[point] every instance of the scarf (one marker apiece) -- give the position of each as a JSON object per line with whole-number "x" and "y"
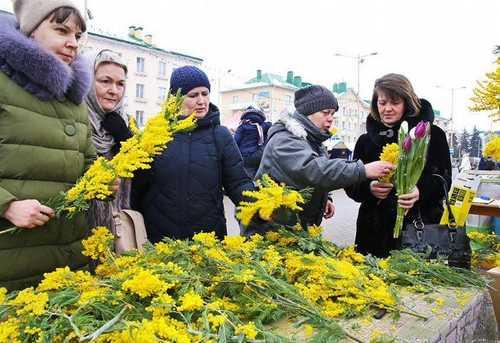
{"x": 103, "y": 141}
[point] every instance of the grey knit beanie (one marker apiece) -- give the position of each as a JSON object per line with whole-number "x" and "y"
{"x": 30, "y": 13}
{"x": 315, "y": 98}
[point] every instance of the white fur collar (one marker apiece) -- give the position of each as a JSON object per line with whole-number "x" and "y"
{"x": 293, "y": 125}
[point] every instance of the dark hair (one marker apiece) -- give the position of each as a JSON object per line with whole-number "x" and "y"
{"x": 396, "y": 86}
{"x": 61, "y": 15}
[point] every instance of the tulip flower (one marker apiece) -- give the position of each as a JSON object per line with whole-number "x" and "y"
{"x": 421, "y": 130}
{"x": 407, "y": 144}
{"x": 404, "y": 127}
{"x": 413, "y": 151}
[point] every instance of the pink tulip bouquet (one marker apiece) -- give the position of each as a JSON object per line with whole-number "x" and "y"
{"x": 412, "y": 156}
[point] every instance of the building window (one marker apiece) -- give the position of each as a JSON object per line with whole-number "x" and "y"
{"x": 140, "y": 64}
{"x": 236, "y": 99}
{"x": 139, "y": 91}
{"x": 343, "y": 125}
{"x": 139, "y": 118}
{"x": 264, "y": 94}
{"x": 162, "y": 69}
{"x": 162, "y": 94}
{"x": 288, "y": 99}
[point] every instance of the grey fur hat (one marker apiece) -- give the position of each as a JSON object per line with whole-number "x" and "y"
{"x": 30, "y": 13}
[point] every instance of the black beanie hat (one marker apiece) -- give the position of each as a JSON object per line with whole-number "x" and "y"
{"x": 315, "y": 98}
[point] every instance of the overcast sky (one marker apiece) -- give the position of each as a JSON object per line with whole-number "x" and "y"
{"x": 432, "y": 42}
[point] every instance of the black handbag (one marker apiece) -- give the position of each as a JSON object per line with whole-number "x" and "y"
{"x": 447, "y": 242}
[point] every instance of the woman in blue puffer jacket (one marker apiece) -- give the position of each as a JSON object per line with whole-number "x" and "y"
{"x": 250, "y": 137}
{"x": 182, "y": 193}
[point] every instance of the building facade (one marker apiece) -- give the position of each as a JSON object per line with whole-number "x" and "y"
{"x": 149, "y": 68}
{"x": 272, "y": 93}
{"x": 350, "y": 119}
{"x": 275, "y": 94}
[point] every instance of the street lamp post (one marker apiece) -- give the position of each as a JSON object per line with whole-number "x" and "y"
{"x": 452, "y": 111}
{"x": 359, "y": 59}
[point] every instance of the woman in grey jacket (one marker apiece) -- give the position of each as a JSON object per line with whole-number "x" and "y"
{"x": 294, "y": 154}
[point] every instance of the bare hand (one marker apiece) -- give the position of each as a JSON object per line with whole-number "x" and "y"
{"x": 378, "y": 169}
{"x": 380, "y": 190}
{"x": 28, "y": 214}
{"x": 408, "y": 200}
{"x": 329, "y": 209}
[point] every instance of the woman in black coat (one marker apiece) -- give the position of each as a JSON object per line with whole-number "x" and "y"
{"x": 394, "y": 101}
{"x": 182, "y": 194}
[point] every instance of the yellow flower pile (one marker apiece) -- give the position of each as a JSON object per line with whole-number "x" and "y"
{"x": 487, "y": 255}
{"x": 97, "y": 244}
{"x": 135, "y": 153}
{"x": 390, "y": 153}
{"x": 191, "y": 301}
{"x": 268, "y": 198}
{"x": 492, "y": 149}
{"x": 207, "y": 290}
{"x": 334, "y": 131}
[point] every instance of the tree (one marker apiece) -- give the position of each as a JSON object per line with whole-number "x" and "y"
{"x": 475, "y": 143}
{"x": 464, "y": 142}
{"x": 487, "y": 93}
{"x": 455, "y": 145}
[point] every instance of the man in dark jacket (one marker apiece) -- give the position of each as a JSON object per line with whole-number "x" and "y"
{"x": 250, "y": 137}
{"x": 295, "y": 155}
{"x": 182, "y": 194}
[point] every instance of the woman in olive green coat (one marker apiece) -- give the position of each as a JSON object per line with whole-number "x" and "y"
{"x": 45, "y": 141}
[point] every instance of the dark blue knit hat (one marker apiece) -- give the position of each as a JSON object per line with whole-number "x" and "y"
{"x": 187, "y": 78}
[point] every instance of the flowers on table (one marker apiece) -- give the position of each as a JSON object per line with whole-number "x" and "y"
{"x": 487, "y": 255}
{"x": 412, "y": 156}
{"x": 208, "y": 290}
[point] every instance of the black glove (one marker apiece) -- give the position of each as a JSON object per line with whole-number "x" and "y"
{"x": 116, "y": 127}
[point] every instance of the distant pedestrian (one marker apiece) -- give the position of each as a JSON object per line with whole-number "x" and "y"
{"x": 465, "y": 164}
{"x": 250, "y": 136}
{"x": 486, "y": 163}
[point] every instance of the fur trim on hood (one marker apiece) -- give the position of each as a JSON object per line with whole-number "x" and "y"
{"x": 293, "y": 125}
{"x": 299, "y": 126}
{"x": 37, "y": 71}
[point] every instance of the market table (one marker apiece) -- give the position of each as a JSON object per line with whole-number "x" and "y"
{"x": 485, "y": 209}
{"x": 452, "y": 317}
